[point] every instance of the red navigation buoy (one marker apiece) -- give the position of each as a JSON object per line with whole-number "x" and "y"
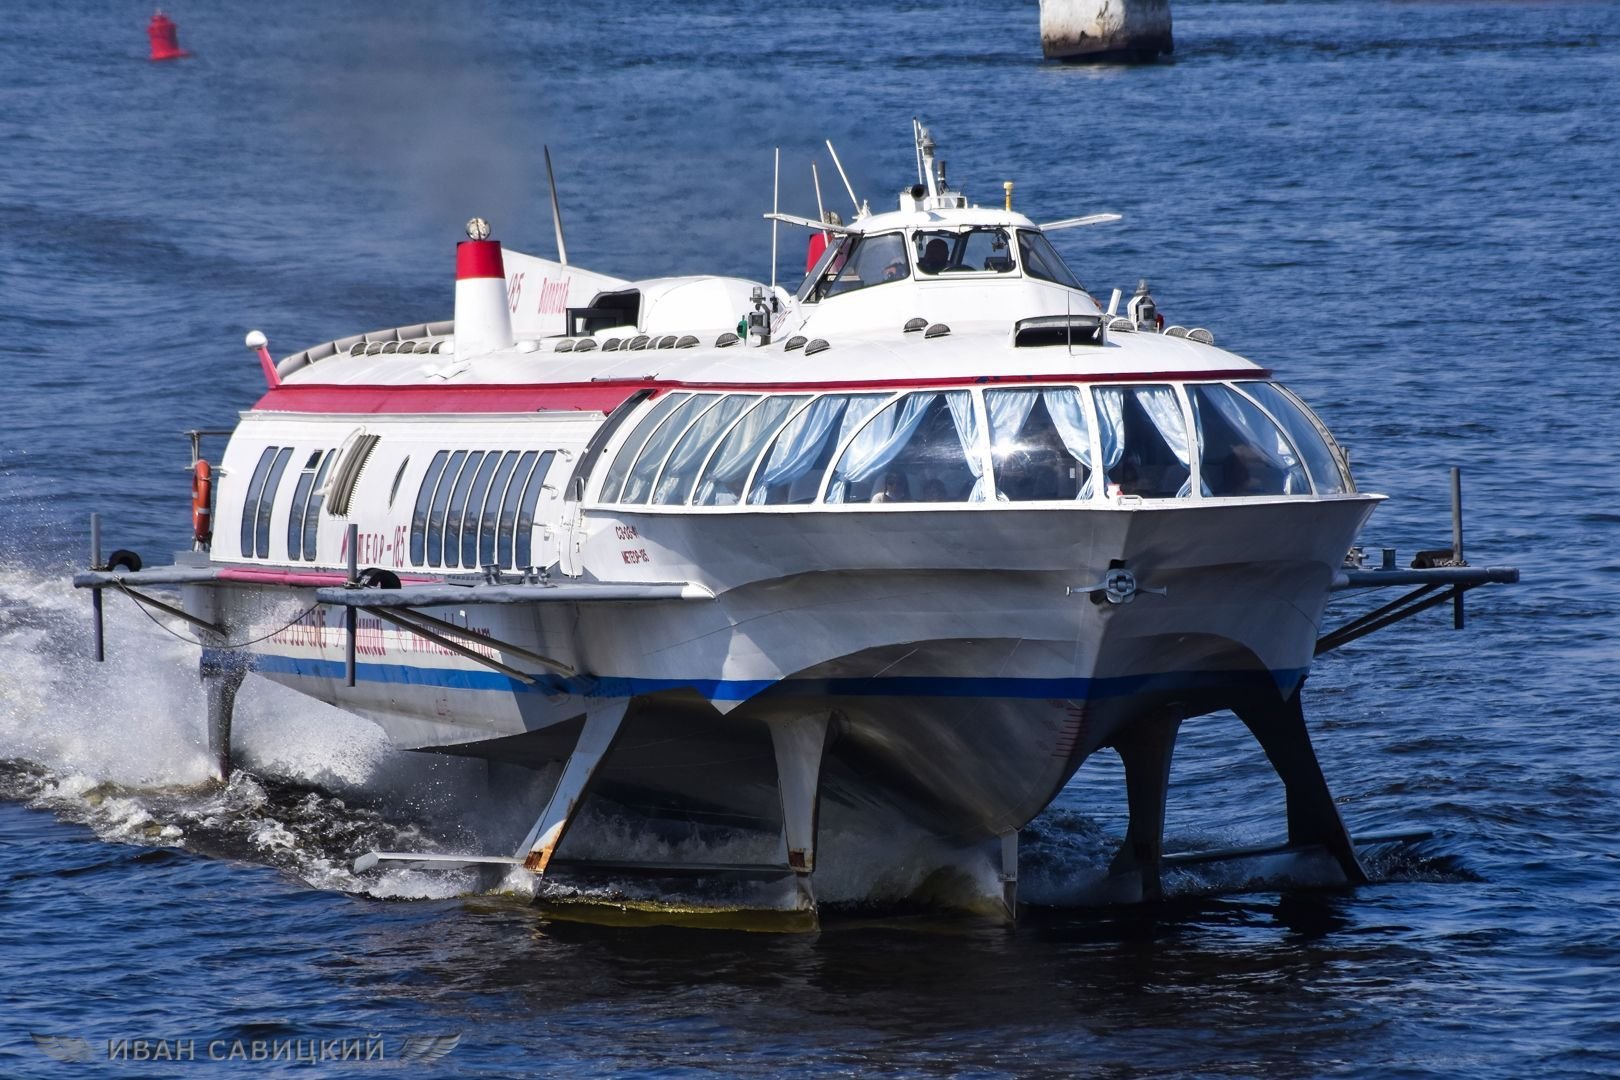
{"x": 165, "y": 38}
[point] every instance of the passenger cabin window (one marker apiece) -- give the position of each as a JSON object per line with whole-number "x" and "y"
{"x": 630, "y": 449}
{"x": 680, "y": 469}
{"x": 476, "y": 509}
{"x": 728, "y": 468}
{"x": 300, "y": 504}
{"x": 1322, "y": 455}
{"x": 639, "y": 484}
{"x": 317, "y": 495}
{"x": 255, "y": 495}
{"x": 1242, "y": 451}
{"x": 1040, "y": 444}
{"x": 791, "y": 472}
{"x": 923, "y": 447}
{"x": 857, "y": 262}
{"x": 1144, "y": 443}
{"x": 981, "y": 250}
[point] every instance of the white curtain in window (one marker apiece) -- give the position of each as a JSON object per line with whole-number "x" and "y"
{"x": 1070, "y": 420}
{"x": 1111, "y": 426}
{"x": 740, "y": 448}
{"x": 798, "y": 446}
{"x": 1008, "y": 410}
{"x": 879, "y": 443}
{"x": 967, "y": 433}
{"x": 1164, "y": 409}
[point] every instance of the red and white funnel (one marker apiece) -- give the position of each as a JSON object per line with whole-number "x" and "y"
{"x": 483, "y": 316}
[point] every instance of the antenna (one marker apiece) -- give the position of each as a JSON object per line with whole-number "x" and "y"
{"x": 556, "y": 211}
{"x": 845, "y": 177}
{"x": 821, "y": 210}
{"x": 917, "y": 134}
{"x": 776, "y": 208}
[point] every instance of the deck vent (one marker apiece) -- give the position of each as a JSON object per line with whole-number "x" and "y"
{"x": 638, "y": 342}
{"x": 939, "y": 329}
{"x": 818, "y": 345}
{"x": 795, "y": 342}
{"x": 726, "y": 340}
{"x": 373, "y": 348}
{"x": 565, "y": 345}
{"x": 390, "y": 347}
{"x": 1058, "y": 330}
{"x": 1175, "y": 331}
{"x": 667, "y": 341}
{"x": 612, "y": 344}
{"x": 585, "y": 345}
{"x": 687, "y": 341}
{"x": 1202, "y": 336}
{"x": 1122, "y": 326}
{"x": 914, "y": 325}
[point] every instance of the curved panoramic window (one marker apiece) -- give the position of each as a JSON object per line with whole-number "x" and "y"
{"x": 857, "y": 262}
{"x": 957, "y": 251}
{"x": 1144, "y": 442}
{"x": 261, "y": 533}
{"x": 680, "y": 473}
{"x": 441, "y": 502}
{"x": 924, "y": 447}
{"x": 424, "y": 499}
{"x": 1041, "y": 260}
{"x": 473, "y": 507}
{"x": 509, "y": 506}
{"x": 727, "y": 470}
{"x": 638, "y": 485}
{"x": 1241, "y": 450}
{"x": 531, "y": 497}
{"x": 490, "y": 518}
{"x": 1322, "y": 455}
{"x": 295, "y": 513}
{"x": 792, "y": 471}
{"x": 1040, "y": 444}
{"x": 613, "y": 484}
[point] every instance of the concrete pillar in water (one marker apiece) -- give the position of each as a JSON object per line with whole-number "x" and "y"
{"x": 1105, "y": 29}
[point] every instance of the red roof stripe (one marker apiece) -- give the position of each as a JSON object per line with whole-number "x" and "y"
{"x": 605, "y": 396}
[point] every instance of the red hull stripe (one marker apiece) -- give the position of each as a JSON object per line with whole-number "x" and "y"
{"x": 479, "y": 259}
{"x": 605, "y": 396}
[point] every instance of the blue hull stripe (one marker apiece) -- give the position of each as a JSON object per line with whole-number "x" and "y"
{"x": 743, "y": 689}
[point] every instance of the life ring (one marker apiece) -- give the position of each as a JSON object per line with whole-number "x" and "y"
{"x": 202, "y": 492}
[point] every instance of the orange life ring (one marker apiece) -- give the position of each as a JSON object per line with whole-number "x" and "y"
{"x": 202, "y": 491}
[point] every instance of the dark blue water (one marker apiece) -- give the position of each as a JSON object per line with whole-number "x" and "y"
{"x": 1409, "y": 209}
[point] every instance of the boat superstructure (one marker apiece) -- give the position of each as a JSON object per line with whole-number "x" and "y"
{"x": 912, "y": 541}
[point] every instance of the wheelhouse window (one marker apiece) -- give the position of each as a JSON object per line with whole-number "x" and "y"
{"x": 1143, "y": 437}
{"x": 1040, "y": 444}
{"x": 923, "y": 447}
{"x": 1242, "y": 451}
{"x": 1042, "y": 261}
{"x": 1322, "y": 455}
{"x": 856, "y": 262}
{"x": 956, "y": 251}
{"x": 792, "y": 471}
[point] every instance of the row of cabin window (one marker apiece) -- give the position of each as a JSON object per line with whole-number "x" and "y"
{"x": 308, "y": 495}
{"x": 1044, "y": 443}
{"x": 476, "y": 508}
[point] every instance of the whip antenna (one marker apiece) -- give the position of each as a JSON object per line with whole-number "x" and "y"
{"x": 776, "y": 208}
{"x": 845, "y": 177}
{"x": 556, "y": 210}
